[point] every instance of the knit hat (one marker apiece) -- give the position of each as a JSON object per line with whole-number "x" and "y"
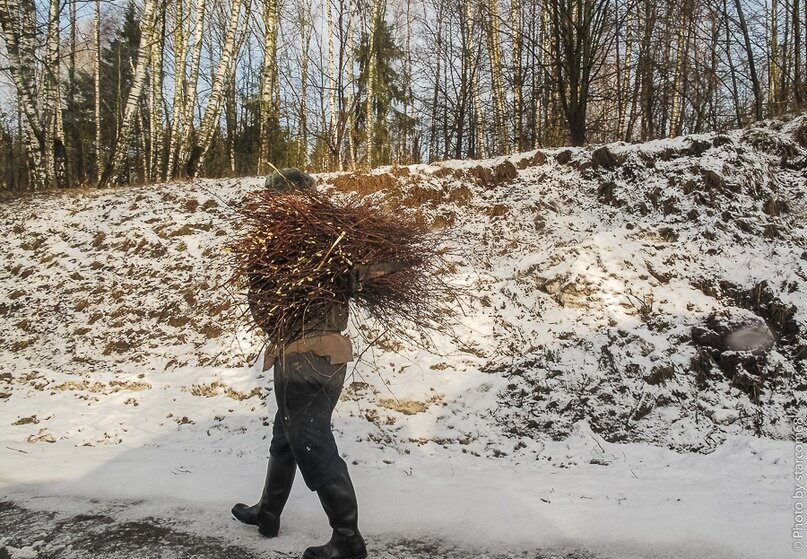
{"x": 289, "y": 180}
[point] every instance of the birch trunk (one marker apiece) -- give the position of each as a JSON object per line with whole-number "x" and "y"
{"x": 497, "y": 82}
{"x": 773, "y": 60}
{"x": 141, "y": 135}
{"x": 682, "y": 41}
{"x": 186, "y": 143}
{"x": 550, "y": 92}
{"x": 268, "y": 106}
{"x": 55, "y": 164}
{"x": 405, "y": 156}
{"x": 76, "y": 142}
{"x": 533, "y": 39}
{"x": 439, "y": 59}
{"x": 119, "y": 154}
{"x": 99, "y": 155}
{"x": 345, "y": 89}
{"x": 19, "y": 33}
{"x": 333, "y": 141}
{"x": 786, "y": 60}
{"x": 518, "y": 120}
{"x": 181, "y": 36}
{"x": 797, "y": 30}
{"x": 210, "y": 119}
{"x": 371, "y": 69}
{"x": 156, "y": 134}
{"x": 351, "y": 140}
{"x": 231, "y": 117}
{"x": 544, "y": 95}
{"x": 643, "y": 99}
{"x": 626, "y": 70}
{"x": 480, "y": 140}
{"x": 305, "y": 35}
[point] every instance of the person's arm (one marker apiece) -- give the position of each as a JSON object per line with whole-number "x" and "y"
{"x": 372, "y": 271}
{"x": 364, "y": 272}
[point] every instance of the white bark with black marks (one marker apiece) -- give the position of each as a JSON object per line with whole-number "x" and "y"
{"x": 132, "y": 109}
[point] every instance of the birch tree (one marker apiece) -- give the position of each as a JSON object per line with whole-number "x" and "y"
{"x": 473, "y": 52}
{"x": 432, "y": 153}
{"x": 181, "y": 35}
{"x": 155, "y": 147}
{"x": 515, "y": 57}
{"x": 212, "y": 113}
{"x": 305, "y": 22}
{"x": 343, "y": 93}
{"x": 114, "y": 169}
{"x": 625, "y": 71}
{"x": 185, "y": 138}
{"x": 682, "y": 52}
{"x": 797, "y": 67}
{"x": 773, "y": 58}
{"x": 332, "y": 80}
{"x": 18, "y": 22}
{"x": 268, "y": 104}
{"x": 54, "y": 160}
{"x": 371, "y": 71}
{"x": 99, "y": 155}
{"x": 493, "y": 35}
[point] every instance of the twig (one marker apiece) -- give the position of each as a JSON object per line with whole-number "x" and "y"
{"x": 330, "y": 250}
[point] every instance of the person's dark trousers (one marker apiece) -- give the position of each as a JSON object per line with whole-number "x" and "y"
{"x": 307, "y": 388}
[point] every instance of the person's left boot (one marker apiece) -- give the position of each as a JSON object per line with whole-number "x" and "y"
{"x": 266, "y": 513}
{"x": 339, "y": 501}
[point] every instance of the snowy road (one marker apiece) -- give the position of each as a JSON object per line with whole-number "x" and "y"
{"x": 618, "y": 501}
{"x": 98, "y": 534}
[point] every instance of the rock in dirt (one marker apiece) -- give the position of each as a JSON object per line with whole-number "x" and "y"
{"x": 734, "y": 329}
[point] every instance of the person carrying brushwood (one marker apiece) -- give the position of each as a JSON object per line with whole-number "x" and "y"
{"x": 309, "y": 354}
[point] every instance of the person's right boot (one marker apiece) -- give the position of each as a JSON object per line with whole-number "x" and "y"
{"x": 266, "y": 513}
{"x": 339, "y": 501}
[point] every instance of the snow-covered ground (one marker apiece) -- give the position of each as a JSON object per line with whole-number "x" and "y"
{"x": 623, "y": 380}
{"x": 620, "y": 501}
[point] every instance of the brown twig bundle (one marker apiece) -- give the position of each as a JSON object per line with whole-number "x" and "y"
{"x": 300, "y": 255}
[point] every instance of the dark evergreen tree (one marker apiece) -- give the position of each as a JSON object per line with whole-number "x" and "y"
{"x": 280, "y": 148}
{"x": 79, "y": 128}
{"x": 117, "y": 61}
{"x": 388, "y": 92}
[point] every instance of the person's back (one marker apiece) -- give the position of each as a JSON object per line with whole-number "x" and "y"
{"x": 309, "y": 370}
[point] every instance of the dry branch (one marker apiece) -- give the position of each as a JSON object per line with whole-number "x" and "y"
{"x": 300, "y": 255}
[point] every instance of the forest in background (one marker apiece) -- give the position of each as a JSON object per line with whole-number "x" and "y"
{"x": 102, "y": 93}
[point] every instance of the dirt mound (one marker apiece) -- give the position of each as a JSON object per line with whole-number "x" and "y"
{"x": 655, "y": 291}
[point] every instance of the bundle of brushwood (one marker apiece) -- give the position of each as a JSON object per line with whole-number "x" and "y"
{"x": 301, "y": 254}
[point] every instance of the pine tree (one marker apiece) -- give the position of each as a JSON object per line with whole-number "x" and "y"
{"x": 117, "y": 60}
{"x": 79, "y": 125}
{"x": 387, "y": 90}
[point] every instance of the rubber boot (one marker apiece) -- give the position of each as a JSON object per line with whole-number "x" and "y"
{"x": 339, "y": 501}
{"x": 266, "y": 513}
